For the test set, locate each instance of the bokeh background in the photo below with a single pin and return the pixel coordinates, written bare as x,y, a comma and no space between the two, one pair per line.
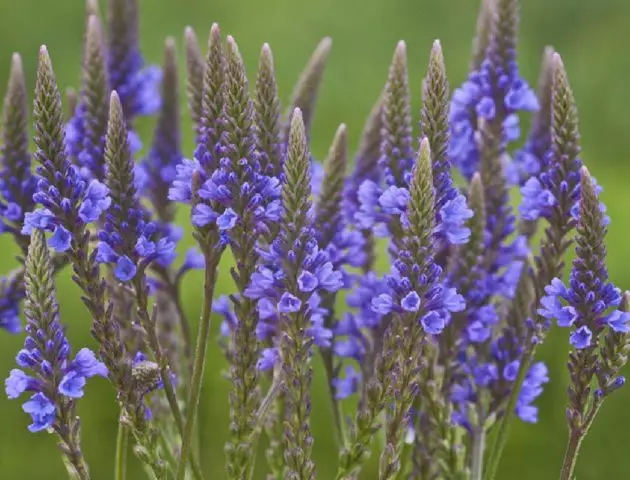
591,36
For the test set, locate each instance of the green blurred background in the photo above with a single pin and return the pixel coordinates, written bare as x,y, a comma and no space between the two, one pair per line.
591,35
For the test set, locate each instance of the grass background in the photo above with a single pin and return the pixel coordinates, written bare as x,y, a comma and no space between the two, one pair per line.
590,35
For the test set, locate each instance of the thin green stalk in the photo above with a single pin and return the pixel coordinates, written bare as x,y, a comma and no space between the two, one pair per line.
122,446
171,397
478,448
203,338
576,437
502,432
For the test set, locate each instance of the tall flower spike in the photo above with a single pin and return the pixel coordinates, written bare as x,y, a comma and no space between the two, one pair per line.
366,168
207,151
495,93
420,305
194,76
17,183
267,115
56,380
450,205
589,306
552,195
160,165
533,158
305,92
69,204
86,130
329,225
246,196
137,86
482,33
397,156
295,344
127,241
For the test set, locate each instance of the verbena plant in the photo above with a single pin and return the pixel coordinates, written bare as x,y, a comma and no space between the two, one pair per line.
438,355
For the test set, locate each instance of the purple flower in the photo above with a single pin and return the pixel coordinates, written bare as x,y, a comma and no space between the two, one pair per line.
289,303
581,338
411,302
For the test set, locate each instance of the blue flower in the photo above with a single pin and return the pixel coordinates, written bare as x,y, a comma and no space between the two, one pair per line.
289,303
537,200
347,385
411,302
269,357
581,338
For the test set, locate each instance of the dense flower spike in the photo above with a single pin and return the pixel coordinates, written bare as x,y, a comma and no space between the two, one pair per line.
85,134
306,89
54,378
397,157
159,167
17,183
127,241
137,85
249,202
420,303
194,77
68,202
559,188
365,168
267,116
206,157
589,305
494,92
440,350
533,158
289,285
450,206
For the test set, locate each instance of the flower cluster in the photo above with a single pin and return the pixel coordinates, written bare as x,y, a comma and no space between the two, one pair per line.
437,346
128,238
55,379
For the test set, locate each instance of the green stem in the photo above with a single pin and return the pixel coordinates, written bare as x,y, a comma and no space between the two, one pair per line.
149,325
503,430
576,437
198,366
122,443
478,448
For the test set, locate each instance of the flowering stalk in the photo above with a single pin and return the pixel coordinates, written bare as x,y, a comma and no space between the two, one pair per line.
552,195
306,89
591,312
56,381
17,183
328,222
194,77
191,176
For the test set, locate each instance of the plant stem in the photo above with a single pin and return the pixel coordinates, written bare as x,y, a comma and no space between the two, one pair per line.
122,441
149,325
478,448
199,364
571,454
503,429
576,436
